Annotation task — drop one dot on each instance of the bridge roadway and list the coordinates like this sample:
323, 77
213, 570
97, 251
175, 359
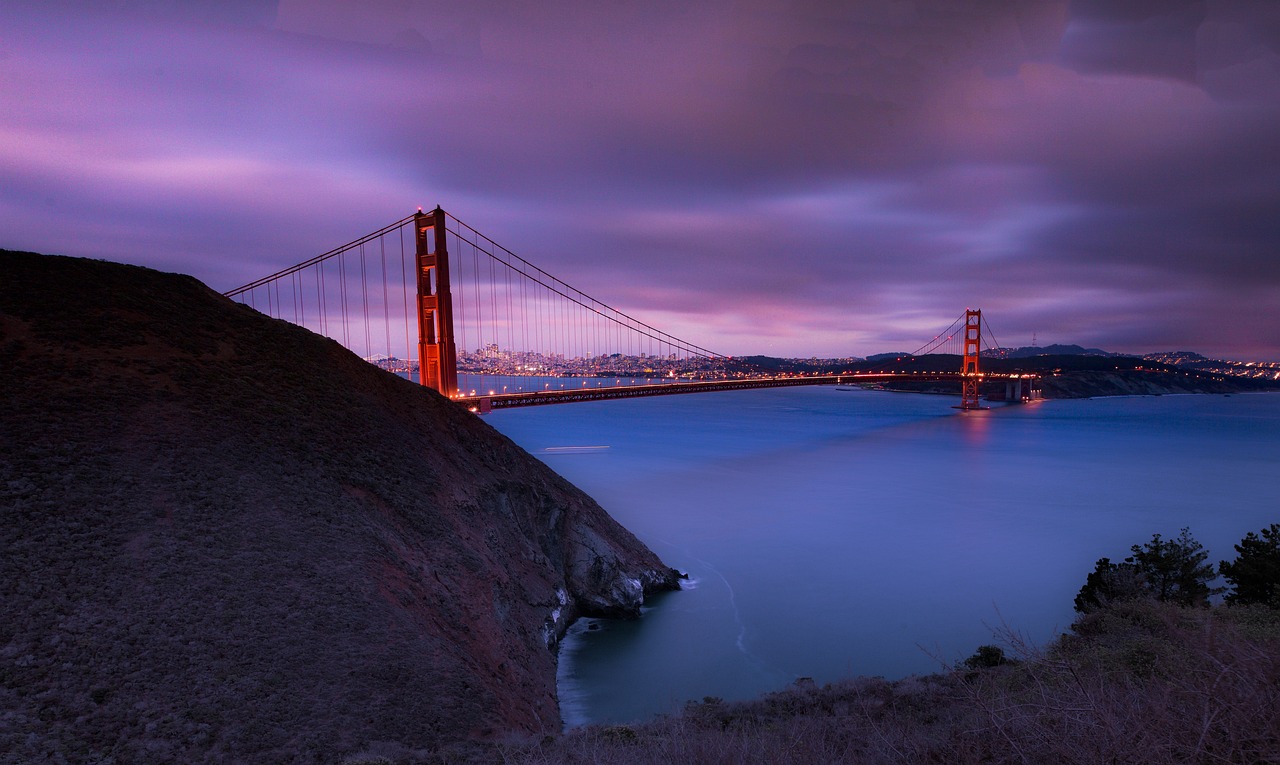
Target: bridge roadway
535, 398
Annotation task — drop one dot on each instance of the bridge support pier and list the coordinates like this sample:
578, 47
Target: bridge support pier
437, 353
1021, 389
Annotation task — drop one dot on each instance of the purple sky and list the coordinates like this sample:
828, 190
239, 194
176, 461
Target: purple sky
808, 178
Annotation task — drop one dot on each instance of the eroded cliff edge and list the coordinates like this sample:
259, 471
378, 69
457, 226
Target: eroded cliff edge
227, 539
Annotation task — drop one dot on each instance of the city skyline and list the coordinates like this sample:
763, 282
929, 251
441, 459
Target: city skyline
813, 179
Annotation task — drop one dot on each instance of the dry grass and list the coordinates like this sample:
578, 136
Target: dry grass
1136, 683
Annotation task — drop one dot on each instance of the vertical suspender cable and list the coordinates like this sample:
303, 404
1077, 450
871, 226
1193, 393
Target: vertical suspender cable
342, 298
524, 313
457, 278
537, 321
386, 309
511, 340
404, 289
323, 292
364, 295
493, 305
475, 283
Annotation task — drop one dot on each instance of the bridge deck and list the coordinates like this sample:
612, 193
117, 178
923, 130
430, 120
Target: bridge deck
536, 398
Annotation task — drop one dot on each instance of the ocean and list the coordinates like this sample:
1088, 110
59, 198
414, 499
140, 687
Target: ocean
829, 533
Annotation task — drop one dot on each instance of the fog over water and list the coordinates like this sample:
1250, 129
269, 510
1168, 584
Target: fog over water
832, 532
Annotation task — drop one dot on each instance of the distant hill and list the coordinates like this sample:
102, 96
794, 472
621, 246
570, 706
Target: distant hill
226, 539
1069, 375
1175, 357
1030, 351
769, 363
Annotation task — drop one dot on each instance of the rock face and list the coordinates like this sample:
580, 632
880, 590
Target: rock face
224, 538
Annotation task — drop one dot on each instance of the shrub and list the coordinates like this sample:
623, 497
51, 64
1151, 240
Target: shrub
986, 656
1110, 583
1169, 570
1175, 569
1254, 576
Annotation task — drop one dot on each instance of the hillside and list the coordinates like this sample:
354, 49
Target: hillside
1138, 682
1080, 376
224, 538
1085, 376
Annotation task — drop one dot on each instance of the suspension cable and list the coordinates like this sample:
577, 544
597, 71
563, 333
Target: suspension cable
696, 349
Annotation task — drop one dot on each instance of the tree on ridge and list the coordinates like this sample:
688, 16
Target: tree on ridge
1172, 570
1254, 576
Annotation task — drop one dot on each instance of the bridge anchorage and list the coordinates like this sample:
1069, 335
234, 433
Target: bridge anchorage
489, 323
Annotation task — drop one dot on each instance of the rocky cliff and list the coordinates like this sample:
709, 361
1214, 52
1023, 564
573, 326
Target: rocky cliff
224, 538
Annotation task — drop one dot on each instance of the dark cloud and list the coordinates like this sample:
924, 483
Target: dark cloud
240, 13
1099, 172
1146, 37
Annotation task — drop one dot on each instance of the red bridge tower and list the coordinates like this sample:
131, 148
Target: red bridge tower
969, 375
437, 353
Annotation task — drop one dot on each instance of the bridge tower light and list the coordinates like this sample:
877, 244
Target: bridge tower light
437, 353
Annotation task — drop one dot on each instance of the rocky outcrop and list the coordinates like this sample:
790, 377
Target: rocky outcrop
227, 539
608, 587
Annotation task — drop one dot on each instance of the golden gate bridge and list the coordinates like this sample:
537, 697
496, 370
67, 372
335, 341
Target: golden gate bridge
433, 287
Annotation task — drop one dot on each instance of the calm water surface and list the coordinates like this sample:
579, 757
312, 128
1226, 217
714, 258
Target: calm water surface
831, 533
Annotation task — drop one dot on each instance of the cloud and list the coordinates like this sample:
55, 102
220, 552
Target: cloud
857, 170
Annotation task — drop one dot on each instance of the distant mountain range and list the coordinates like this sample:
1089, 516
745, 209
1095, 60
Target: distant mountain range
1029, 351
1057, 357
1184, 360
1025, 352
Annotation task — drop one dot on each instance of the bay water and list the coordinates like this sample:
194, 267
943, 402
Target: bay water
829, 533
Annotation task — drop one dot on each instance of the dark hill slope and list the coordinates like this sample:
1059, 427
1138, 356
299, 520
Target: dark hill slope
224, 538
